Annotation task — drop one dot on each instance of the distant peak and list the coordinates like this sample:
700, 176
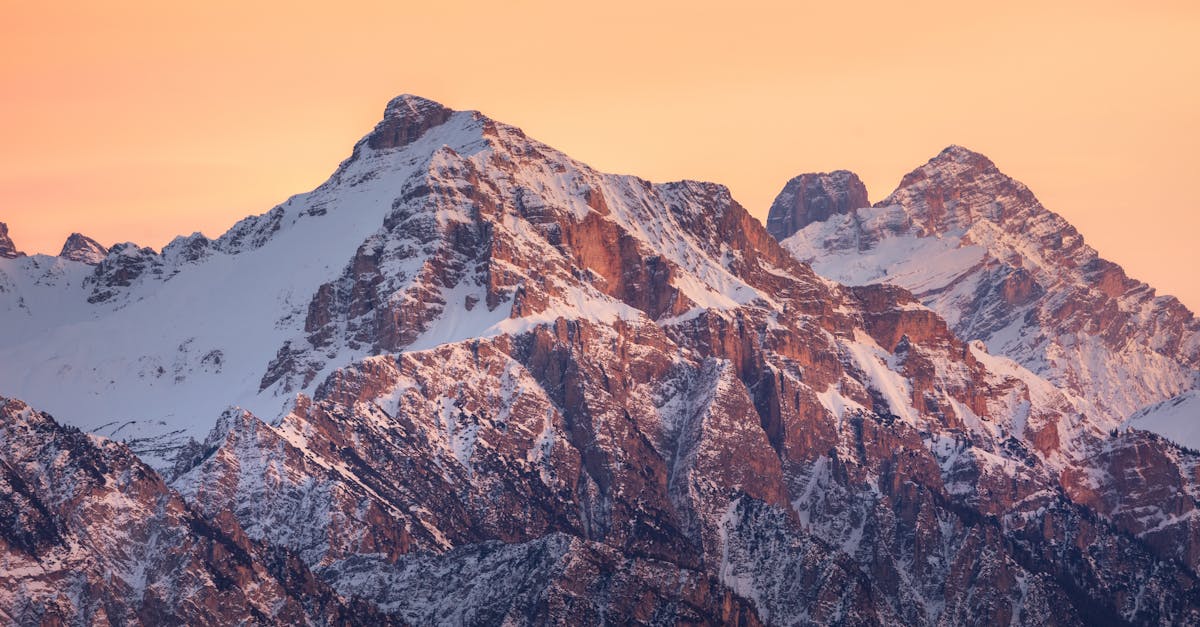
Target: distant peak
405, 119
406, 104
957, 187
82, 248
953, 165
8, 250
815, 197
958, 154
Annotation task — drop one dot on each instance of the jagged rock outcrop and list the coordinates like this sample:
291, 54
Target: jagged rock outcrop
1147, 488
8, 250
83, 249
405, 119
124, 264
812, 198
977, 247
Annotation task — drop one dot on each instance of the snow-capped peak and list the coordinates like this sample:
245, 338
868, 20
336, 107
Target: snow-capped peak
979, 248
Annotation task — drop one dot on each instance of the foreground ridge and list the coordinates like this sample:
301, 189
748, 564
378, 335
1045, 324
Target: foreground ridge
92, 535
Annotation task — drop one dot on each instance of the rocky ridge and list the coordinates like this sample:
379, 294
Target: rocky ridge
90, 535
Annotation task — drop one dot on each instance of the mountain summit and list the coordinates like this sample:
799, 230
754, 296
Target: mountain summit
479, 382
978, 247
405, 119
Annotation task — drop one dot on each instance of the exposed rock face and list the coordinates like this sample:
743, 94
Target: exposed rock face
812, 198
1147, 488
8, 250
83, 249
977, 247
123, 265
405, 119
517, 390
90, 535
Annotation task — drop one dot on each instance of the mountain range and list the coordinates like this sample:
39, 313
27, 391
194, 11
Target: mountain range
471, 380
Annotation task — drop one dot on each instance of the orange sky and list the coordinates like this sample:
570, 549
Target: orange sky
140, 120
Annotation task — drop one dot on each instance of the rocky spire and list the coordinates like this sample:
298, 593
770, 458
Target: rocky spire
79, 247
7, 249
812, 198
